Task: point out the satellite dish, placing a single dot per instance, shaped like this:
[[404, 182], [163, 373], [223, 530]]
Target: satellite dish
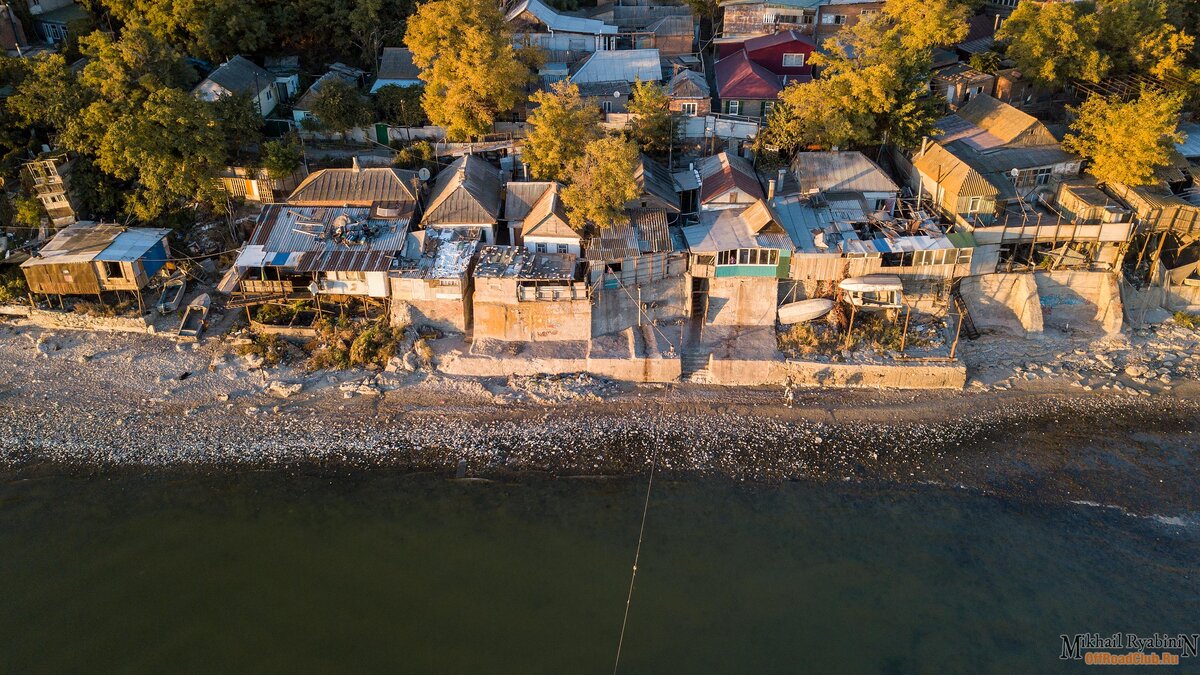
[[616, 94], [341, 221], [423, 174], [1015, 172]]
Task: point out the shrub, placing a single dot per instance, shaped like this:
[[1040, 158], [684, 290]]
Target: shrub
[[270, 347], [798, 340], [1187, 320], [342, 344], [13, 288]]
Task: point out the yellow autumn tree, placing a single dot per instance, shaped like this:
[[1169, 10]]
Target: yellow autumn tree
[[1126, 141], [560, 127], [1055, 42], [471, 72], [600, 182]]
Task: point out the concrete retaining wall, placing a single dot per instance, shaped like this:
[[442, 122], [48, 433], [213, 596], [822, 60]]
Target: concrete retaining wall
[[615, 310], [1006, 303], [626, 370], [742, 301], [811, 374], [1073, 299]]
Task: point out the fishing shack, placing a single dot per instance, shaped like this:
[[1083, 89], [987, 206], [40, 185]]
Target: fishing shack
[[94, 258]]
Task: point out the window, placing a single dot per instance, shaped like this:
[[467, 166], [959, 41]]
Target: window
[[974, 204], [793, 60], [833, 19], [346, 276], [270, 96], [767, 107], [562, 248], [607, 105], [733, 197], [688, 109], [1043, 176], [787, 18], [541, 247], [113, 270], [733, 107]]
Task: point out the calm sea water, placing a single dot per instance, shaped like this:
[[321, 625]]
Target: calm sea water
[[380, 572]]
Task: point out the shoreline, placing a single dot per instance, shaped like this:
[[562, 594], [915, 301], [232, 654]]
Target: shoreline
[[97, 404]]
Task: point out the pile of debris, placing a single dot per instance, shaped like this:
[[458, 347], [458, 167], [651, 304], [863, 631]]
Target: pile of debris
[[557, 388]]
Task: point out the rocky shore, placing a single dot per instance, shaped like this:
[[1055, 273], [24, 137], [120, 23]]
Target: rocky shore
[[87, 402]]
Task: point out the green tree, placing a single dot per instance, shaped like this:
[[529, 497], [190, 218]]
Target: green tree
[[1055, 42], [28, 212], [464, 50], [281, 158], [600, 182], [400, 106], [560, 126], [1126, 141], [822, 113], [48, 93], [339, 107], [240, 123], [652, 127], [986, 62]]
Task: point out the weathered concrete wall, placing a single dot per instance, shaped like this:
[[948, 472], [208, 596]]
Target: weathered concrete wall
[[648, 370], [1080, 300], [811, 374], [532, 321], [1006, 303], [449, 316], [72, 321], [616, 308], [742, 301]]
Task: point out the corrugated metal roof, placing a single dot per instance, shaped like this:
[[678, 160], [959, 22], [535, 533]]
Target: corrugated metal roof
[[397, 64], [560, 22], [841, 171], [84, 242], [956, 177], [1000, 119], [467, 192], [723, 172], [1190, 147], [302, 237], [730, 229], [520, 196], [548, 217], [627, 65], [775, 39], [355, 187]]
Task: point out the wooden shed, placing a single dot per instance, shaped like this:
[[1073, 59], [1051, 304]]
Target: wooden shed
[[89, 258]]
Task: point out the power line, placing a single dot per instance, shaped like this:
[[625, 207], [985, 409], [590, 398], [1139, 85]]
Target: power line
[[637, 554]]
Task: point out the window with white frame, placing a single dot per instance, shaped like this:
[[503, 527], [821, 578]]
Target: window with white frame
[[562, 248], [793, 60], [688, 109], [1043, 175], [974, 204], [733, 107], [541, 247], [833, 19]]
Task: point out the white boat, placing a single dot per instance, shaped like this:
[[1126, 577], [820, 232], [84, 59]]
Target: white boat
[[172, 294], [196, 317], [804, 310], [874, 291]]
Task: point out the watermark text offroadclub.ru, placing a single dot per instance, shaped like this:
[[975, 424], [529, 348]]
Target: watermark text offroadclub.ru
[[1129, 649]]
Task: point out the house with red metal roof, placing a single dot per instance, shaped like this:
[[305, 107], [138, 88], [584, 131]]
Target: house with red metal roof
[[745, 87], [786, 53]]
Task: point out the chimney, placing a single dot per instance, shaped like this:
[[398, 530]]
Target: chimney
[[924, 145], [354, 164], [771, 189], [525, 170], [781, 178]]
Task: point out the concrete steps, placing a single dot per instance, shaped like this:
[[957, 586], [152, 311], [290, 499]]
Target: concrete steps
[[694, 367]]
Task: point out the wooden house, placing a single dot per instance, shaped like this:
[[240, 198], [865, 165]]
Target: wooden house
[[537, 218], [466, 194], [90, 258]]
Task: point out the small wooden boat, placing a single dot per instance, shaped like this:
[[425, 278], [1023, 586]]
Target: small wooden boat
[[804, 310], [195, 318], [172, 294]]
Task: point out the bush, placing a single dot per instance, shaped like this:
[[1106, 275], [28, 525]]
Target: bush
[[103, 310], [798, 340], [13, 289], [1187, 320], [270, 347], [343, 344]]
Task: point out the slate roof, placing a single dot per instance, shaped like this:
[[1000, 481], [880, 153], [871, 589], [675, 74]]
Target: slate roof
[[626, 65], [548, 218], [397, 64], [740, 78], [996, 123], [467, 192], [688, 84], [729, 229], [238, 75], [841, 171], [355, 187], [560, 22], [306, 101], [655, 180]]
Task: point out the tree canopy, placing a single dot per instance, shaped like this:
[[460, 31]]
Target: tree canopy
[[652, 127], [1126, 141], [600, 182], [1055, 42], [471, 73], [873, 86], [400, 106], [339, 107], [559, 128]]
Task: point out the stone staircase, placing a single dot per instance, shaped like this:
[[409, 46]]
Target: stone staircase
[[694, 367]]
